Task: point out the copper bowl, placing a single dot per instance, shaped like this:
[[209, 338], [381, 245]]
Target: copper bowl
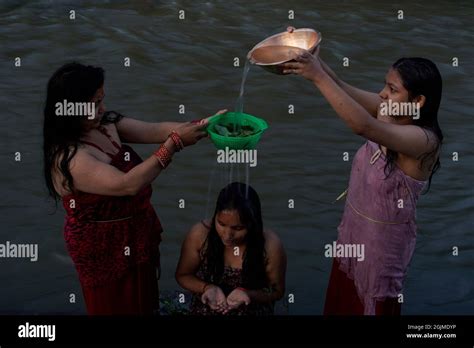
[[283, 47]]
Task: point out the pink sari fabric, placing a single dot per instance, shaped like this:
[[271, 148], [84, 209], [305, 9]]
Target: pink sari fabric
[[373, 217]]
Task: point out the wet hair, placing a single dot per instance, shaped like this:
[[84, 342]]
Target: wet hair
[[244, 199], [73, 82], [420, 76]]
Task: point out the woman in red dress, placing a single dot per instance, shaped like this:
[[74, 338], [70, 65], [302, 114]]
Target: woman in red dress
[[111, 230]]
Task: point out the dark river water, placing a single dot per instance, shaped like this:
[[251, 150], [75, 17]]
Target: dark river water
[[191, 62]]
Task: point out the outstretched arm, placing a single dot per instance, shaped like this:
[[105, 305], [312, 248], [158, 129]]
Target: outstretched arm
[[93, 176], [369, 100], [409, 140], [140, 132]]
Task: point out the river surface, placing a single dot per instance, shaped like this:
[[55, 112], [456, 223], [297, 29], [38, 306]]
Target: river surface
[[300, 157]]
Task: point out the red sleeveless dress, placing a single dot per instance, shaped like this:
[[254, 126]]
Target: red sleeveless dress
[[114, 244]]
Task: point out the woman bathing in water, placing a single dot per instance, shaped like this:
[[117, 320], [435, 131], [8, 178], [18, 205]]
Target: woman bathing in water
[[112, 231], [388, 173], [230, 263]]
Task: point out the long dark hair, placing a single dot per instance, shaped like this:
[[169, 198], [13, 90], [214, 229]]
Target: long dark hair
[[244, 199], [73, 82], [420, 76]]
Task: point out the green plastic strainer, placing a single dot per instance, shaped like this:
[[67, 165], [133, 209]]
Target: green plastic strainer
[[258, 126]]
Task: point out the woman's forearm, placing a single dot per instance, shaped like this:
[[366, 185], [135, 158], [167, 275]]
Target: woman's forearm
[[192, 283], [351, 112], [368, 100], [330, 72], [163, 129], [144, 173]]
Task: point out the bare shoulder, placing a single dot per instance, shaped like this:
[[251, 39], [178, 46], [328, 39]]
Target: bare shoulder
[[197, 234], [421, 166], [432, 139], [272, 242], [275, 252]]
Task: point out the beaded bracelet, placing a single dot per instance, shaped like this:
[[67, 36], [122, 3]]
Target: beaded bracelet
[[163, 155], [178, 143]]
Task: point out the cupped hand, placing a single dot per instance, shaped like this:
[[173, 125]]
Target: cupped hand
[[236, 299], [214, 297]]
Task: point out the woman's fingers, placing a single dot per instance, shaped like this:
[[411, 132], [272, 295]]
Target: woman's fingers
[[292, 68], [291, 65], [303, 58], [292, 71], [213, 305], [196, 127], [290, 29], [221, 307], [205, 121]]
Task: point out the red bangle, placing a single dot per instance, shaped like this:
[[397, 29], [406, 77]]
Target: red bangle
[[242, 289], [163, 155], [178, 143]]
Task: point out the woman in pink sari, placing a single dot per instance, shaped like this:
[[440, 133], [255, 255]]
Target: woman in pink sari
[[388, 173]]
